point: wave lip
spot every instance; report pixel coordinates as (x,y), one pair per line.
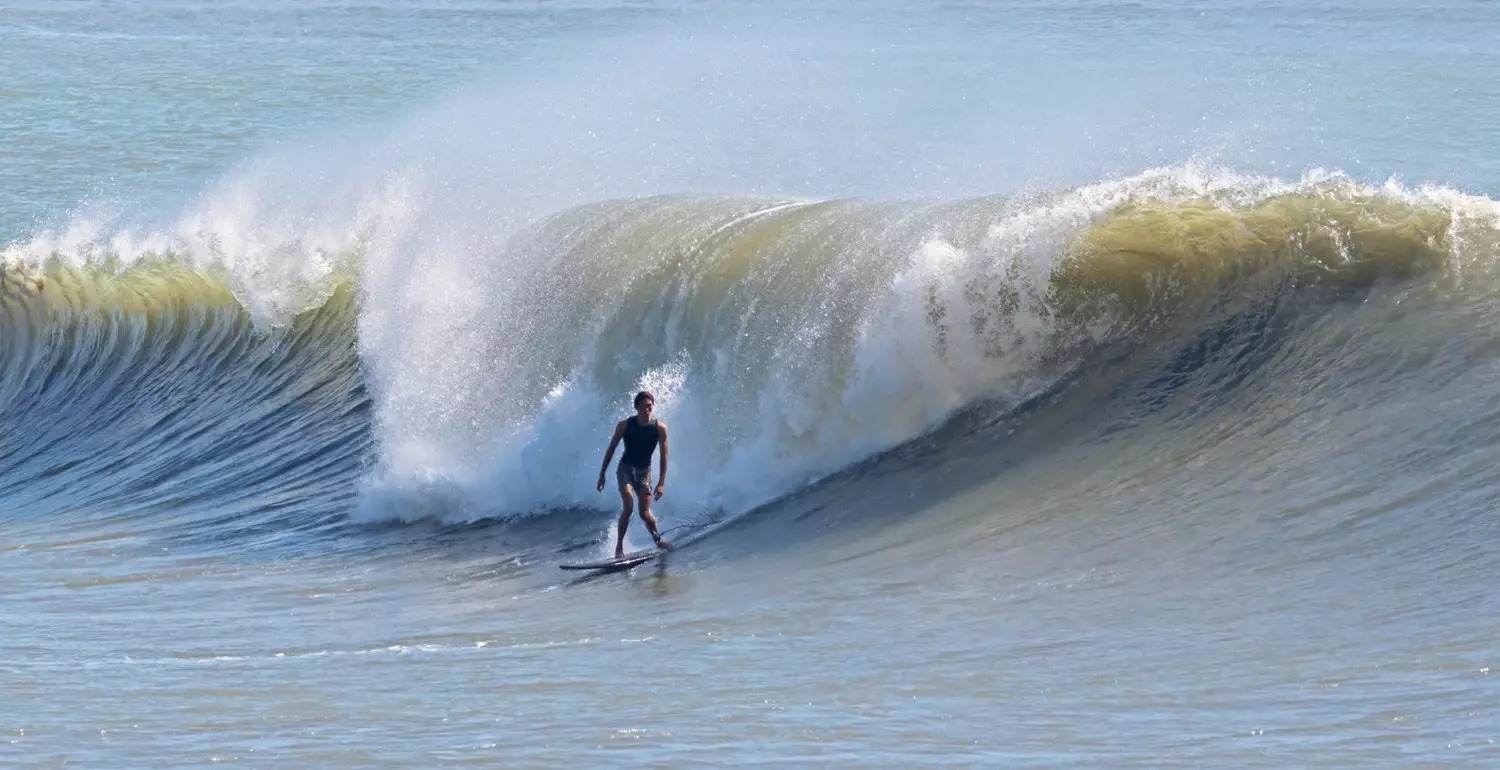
(1150,260)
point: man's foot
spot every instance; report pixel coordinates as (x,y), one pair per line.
(663,544)
(619,553)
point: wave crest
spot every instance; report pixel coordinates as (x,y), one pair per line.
(1149,260)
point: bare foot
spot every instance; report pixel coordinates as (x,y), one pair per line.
(663,544)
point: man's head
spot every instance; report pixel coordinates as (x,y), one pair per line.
(645,402)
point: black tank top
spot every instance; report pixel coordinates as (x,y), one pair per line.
(640,442)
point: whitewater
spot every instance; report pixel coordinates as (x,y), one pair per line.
(1050,385)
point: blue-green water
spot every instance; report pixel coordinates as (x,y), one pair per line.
(1050,383)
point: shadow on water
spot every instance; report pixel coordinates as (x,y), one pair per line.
(1232,350)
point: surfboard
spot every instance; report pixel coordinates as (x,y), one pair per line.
(624,562)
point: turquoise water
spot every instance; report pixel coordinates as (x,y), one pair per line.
(1050,383)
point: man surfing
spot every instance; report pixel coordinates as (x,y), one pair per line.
(641,434)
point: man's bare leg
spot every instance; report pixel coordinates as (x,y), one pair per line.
(626,501)
(651,521)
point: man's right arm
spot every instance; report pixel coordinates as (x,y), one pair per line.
(614,441)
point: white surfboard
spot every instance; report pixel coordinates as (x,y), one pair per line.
(624,562)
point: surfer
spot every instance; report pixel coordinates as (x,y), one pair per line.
(641,434)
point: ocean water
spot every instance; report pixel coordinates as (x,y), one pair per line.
(1051,384)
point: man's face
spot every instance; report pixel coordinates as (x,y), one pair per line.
(645,406)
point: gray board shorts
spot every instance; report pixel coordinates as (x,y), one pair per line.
(631,476)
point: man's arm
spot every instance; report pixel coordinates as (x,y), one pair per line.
(609,453)
(662,477)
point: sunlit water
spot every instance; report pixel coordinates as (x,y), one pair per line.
(1050,384)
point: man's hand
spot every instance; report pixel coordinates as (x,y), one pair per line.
(660,488)
(601,482)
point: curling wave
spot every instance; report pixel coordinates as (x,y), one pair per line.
(785,338)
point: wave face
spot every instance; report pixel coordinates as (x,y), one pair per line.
(381,372)
(150,390)
(788,339)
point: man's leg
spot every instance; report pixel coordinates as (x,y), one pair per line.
(651,520)
(625,511)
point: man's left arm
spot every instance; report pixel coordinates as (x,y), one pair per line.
(661,483)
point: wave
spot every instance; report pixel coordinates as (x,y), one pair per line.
(405,377)
(787,339)
(151,389)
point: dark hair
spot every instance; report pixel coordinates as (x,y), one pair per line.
(643,395)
